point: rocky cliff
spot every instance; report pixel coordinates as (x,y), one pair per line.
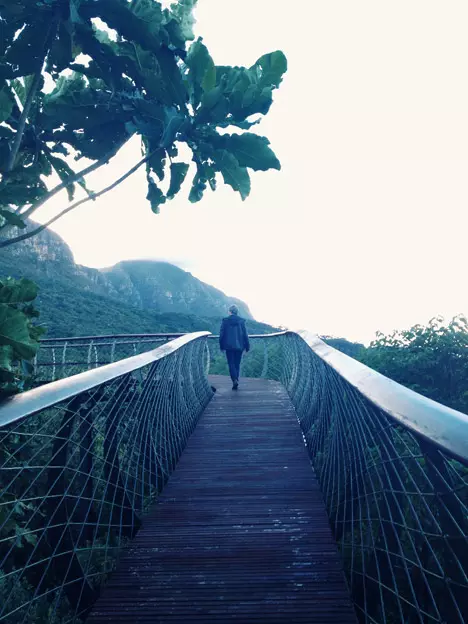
(145,284)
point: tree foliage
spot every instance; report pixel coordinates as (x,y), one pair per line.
(431,359)
(353,349)
(80,78)
(71,88)
(18,335)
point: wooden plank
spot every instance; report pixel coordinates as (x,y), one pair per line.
(240,532)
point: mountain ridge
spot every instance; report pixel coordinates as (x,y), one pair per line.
(133,296)
(146,284)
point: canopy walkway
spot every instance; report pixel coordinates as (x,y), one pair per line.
(319,492)
(240,532)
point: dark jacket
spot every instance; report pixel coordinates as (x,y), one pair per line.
(233,334)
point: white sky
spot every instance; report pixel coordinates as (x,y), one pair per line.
(365,226)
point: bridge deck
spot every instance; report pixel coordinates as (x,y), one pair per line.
(240,532)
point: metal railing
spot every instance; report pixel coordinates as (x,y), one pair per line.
(78,474)
(81,459)
(263,360)
(58,358)
(393,469)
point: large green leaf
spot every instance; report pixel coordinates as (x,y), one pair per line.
(198,188)
(26,54)
(21,193)
(19,89)
(6,104)
(202,70)
(175,123)
(14,331)
(74,15)
(14,291)
(155,196)
(182,10)
(103,140)
(233,174)
(251,150)
(206,174)
(244,95)
(142,25)
(157,162)
(178,173)
(64,171)
(273,66)
(69,92)
(172,76)
(61,52)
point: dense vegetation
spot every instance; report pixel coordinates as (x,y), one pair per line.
(88,314)
(18,333)
(431,359)
(353,349)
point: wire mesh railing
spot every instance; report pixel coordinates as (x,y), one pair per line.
(81,460)
(393,469)
(78,474)
(262,361)
(58,358)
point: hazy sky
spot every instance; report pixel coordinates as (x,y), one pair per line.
(365,227)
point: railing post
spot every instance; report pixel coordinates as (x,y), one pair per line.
(53,363)
(264,372)
(207,358)
(112,353)
(63,358)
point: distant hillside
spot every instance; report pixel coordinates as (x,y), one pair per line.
(353,349)
(79,313)
(163,287)
(146,284)
(132,297)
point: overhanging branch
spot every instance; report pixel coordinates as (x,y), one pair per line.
(92,196)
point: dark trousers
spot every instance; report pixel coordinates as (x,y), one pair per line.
(234,360)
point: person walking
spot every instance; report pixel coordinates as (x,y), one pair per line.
(233,339)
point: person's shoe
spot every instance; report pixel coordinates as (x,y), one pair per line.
(235,384)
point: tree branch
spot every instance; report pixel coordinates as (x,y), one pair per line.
(17,239)
(22,122)
(27,105)
(80,174)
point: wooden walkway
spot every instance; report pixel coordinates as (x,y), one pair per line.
(240,533)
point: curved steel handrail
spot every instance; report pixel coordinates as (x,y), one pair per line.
(22,405)
(273,335)
(47,341)
(441,425)
(113,337)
